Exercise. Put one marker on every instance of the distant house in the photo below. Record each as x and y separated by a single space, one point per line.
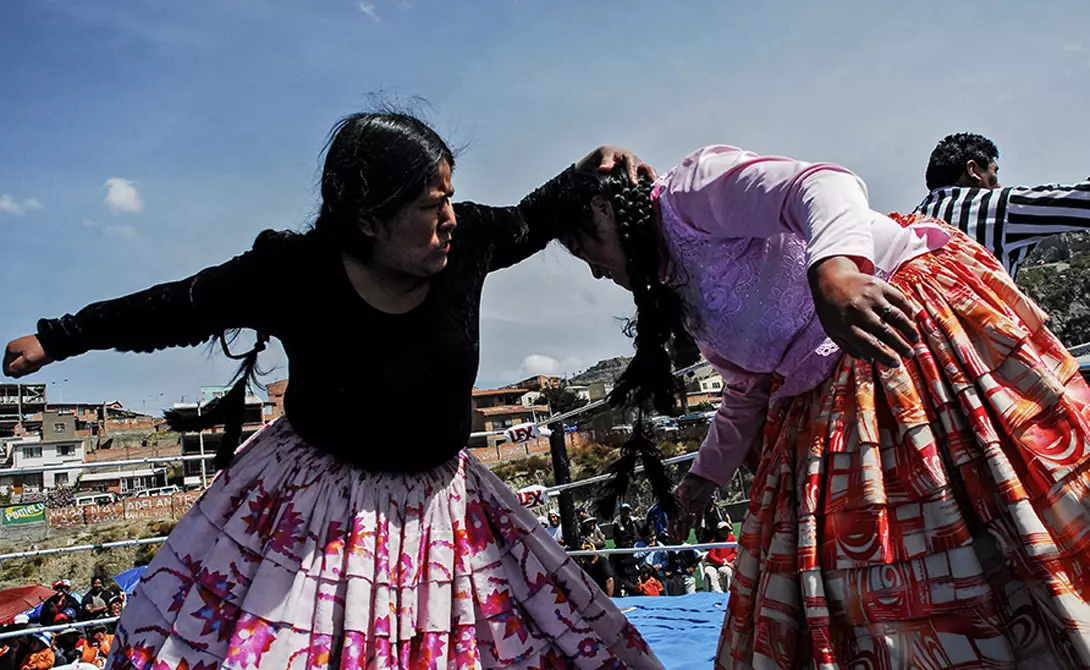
123 482
499 409
704 387
198 472
34 452
538 383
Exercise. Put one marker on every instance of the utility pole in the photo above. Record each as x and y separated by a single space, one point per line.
19 406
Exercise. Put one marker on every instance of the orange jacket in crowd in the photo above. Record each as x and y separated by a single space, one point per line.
39 660
97 655
649 587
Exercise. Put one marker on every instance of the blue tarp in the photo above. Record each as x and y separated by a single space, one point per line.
683 631
128 580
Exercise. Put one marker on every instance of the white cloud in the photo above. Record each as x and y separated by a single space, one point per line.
122 196
542 364
369 10
10 205
537 364
111 230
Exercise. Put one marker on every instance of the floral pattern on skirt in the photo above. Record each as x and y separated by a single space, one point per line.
295 559
932 515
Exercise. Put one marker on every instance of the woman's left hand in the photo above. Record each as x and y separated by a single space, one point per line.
605 158
865 316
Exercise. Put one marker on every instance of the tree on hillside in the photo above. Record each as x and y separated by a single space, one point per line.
561 400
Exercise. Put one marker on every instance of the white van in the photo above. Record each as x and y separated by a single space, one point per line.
94 499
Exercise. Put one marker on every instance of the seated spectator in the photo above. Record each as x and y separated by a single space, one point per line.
554 527
599 570
117 603
624 528
592 533
647 584
681 572
581 515
97 647
13 649
719 562
625 566
657 560
60 603
95 601
39 655
658 520
67 647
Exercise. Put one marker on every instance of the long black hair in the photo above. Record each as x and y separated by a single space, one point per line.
375 163
658 329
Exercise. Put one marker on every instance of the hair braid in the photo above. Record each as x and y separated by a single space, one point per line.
658 325
658 328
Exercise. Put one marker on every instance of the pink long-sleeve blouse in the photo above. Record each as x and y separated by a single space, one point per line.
742 231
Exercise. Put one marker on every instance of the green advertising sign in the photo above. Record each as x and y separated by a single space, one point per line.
17 515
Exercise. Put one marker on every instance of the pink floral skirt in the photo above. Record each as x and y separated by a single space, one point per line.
295 559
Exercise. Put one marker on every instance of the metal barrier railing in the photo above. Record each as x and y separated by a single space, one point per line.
643 550
81 547
56 629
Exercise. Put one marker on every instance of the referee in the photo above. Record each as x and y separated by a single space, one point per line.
963 180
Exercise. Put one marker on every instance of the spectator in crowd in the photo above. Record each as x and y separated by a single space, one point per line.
719 563
599 570
553 528
681 572
648 585
592 533
39 655
643 542
657 560
117 604
657 519
625 566
712 517
627 571
624 528
97 647
67 648
95 601
13 649
60 604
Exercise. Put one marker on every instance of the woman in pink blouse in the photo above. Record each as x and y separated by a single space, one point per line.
921 440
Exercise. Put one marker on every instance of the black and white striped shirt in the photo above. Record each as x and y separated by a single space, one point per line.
1011 221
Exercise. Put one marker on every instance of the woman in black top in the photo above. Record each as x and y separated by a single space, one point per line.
369 541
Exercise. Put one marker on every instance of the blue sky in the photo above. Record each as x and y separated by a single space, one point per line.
141 140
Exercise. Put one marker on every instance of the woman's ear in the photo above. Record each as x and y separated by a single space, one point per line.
601 207
368 226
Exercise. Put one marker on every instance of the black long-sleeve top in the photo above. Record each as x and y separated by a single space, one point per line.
385 392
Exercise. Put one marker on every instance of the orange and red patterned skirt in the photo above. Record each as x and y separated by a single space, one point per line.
932 515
